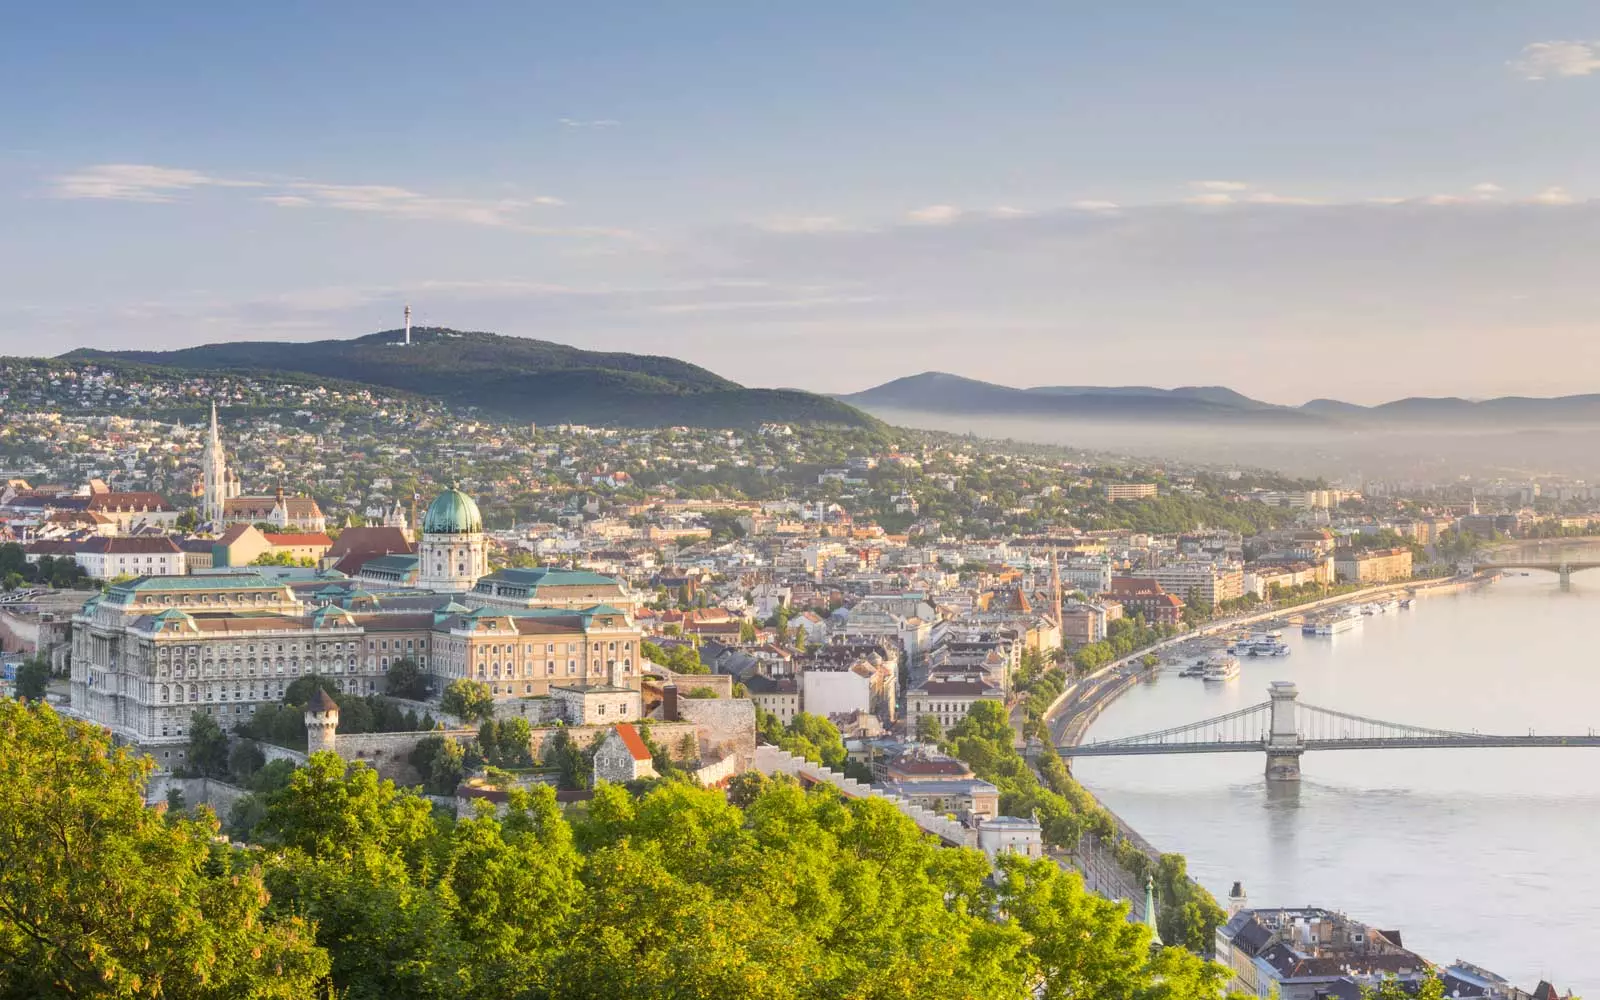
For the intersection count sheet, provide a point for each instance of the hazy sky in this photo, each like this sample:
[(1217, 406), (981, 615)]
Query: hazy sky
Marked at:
[(1361, 199)]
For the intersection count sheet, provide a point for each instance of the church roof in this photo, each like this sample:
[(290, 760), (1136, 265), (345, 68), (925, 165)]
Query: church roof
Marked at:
[(452, 513)]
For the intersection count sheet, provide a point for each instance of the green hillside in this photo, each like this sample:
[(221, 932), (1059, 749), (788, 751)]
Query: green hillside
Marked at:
[(515, 378)]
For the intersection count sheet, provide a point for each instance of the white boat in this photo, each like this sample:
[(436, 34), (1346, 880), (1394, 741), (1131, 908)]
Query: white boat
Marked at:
[(1220, 669), (1343, 623)]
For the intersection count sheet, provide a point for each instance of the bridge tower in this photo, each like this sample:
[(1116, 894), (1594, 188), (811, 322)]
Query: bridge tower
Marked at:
[(1565, 573), (1284, 745)]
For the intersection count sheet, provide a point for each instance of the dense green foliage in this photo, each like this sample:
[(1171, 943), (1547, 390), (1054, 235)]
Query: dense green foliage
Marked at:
[(468, 700), (48, 571), (102, 897), (33, 678), (284, 724), (679, 659), (1067, 812), (1123, 637), (366, 891), (406, 680), (516, 377)]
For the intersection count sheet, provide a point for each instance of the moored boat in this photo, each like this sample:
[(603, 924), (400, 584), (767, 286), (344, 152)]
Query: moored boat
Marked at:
[(1221, 668)]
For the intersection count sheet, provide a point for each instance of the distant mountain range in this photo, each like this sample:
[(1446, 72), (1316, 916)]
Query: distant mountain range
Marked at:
[(515, 378), (954, 395)]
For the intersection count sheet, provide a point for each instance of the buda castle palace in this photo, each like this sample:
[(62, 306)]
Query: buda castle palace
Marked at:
[(150, 652)]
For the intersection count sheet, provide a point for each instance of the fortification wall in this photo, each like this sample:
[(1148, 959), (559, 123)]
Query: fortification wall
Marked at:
[(727, 725), (219, 795), (274, 752), (390, 753), (18, 634), (722, 684), (771, 760), (667, 735)]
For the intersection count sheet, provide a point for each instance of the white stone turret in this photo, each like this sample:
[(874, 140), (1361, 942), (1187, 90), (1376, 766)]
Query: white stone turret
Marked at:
[(322, 722)]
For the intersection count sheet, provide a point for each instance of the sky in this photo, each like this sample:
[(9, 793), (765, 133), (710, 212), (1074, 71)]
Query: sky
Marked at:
[(1363, 200)]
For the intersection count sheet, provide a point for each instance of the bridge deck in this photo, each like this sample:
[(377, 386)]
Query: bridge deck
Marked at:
[(1354, 743)]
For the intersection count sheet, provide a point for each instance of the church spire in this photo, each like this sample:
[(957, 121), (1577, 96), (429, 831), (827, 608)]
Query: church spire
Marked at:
[(214, 475)]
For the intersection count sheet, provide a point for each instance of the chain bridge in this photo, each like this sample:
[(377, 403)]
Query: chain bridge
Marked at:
[(1283, 727)]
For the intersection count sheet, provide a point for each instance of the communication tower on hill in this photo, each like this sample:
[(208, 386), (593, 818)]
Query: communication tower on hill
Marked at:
[(408, 325)]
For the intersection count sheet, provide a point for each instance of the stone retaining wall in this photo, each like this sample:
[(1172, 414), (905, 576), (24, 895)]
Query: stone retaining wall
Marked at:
[(219, 795), (390, 753), (772, 760)]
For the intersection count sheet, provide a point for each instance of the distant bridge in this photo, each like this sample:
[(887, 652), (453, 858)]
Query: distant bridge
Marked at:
[(1283, 728), (1563, 569)]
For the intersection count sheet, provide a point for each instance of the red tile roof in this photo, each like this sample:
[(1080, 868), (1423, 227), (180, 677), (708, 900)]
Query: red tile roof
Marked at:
[(633, 741), (306, 538)]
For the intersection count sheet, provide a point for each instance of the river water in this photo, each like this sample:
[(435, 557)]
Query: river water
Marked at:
[(1485, 855)]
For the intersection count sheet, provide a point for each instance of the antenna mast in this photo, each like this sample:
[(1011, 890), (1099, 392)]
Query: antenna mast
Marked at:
[(408, 325)]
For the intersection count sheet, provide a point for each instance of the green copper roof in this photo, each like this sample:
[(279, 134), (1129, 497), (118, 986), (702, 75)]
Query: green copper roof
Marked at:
[(199, 581), (550, 576), (452, 513)]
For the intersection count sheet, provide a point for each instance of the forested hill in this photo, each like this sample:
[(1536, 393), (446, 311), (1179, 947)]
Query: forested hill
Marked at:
[(515, 377)]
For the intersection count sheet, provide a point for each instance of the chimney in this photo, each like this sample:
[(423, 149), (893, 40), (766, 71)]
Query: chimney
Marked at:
[(669, 703)]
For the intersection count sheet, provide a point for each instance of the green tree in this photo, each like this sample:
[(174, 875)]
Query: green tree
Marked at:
[(1430, 988), (246, 759), (101, 897), (33, 678), (208, 747), (406, 680), (816, 739), (928, 729), (468, 700)]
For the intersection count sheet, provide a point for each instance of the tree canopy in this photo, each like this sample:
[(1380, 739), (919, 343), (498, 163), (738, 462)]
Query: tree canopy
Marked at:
[(102, 897), (366, 891)]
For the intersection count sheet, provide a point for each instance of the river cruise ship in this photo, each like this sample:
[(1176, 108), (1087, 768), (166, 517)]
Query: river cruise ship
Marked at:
[(1220, 669)]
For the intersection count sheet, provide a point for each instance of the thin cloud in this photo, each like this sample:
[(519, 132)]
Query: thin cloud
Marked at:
[(805, 224), (1268, 198), (399, 202), (589, 122), (1211, 198), (1487, 189), (162, 185), (934, 215), (1553, 196), (1546, 60), (1224, 186), (1094, 205), (140, 182)]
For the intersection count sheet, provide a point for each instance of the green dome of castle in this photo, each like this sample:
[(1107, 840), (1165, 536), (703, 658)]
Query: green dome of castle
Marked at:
[(452, 513)]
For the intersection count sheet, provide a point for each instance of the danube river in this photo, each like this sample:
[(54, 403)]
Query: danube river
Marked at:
[(1484, 855)]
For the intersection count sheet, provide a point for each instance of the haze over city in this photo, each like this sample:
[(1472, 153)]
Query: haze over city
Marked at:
[(1365, 201)]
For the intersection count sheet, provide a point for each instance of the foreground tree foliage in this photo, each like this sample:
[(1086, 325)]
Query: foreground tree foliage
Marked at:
[(676, 893), (102, 897)]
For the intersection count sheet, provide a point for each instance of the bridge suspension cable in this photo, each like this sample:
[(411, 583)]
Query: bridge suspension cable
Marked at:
[(1315, 723)]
